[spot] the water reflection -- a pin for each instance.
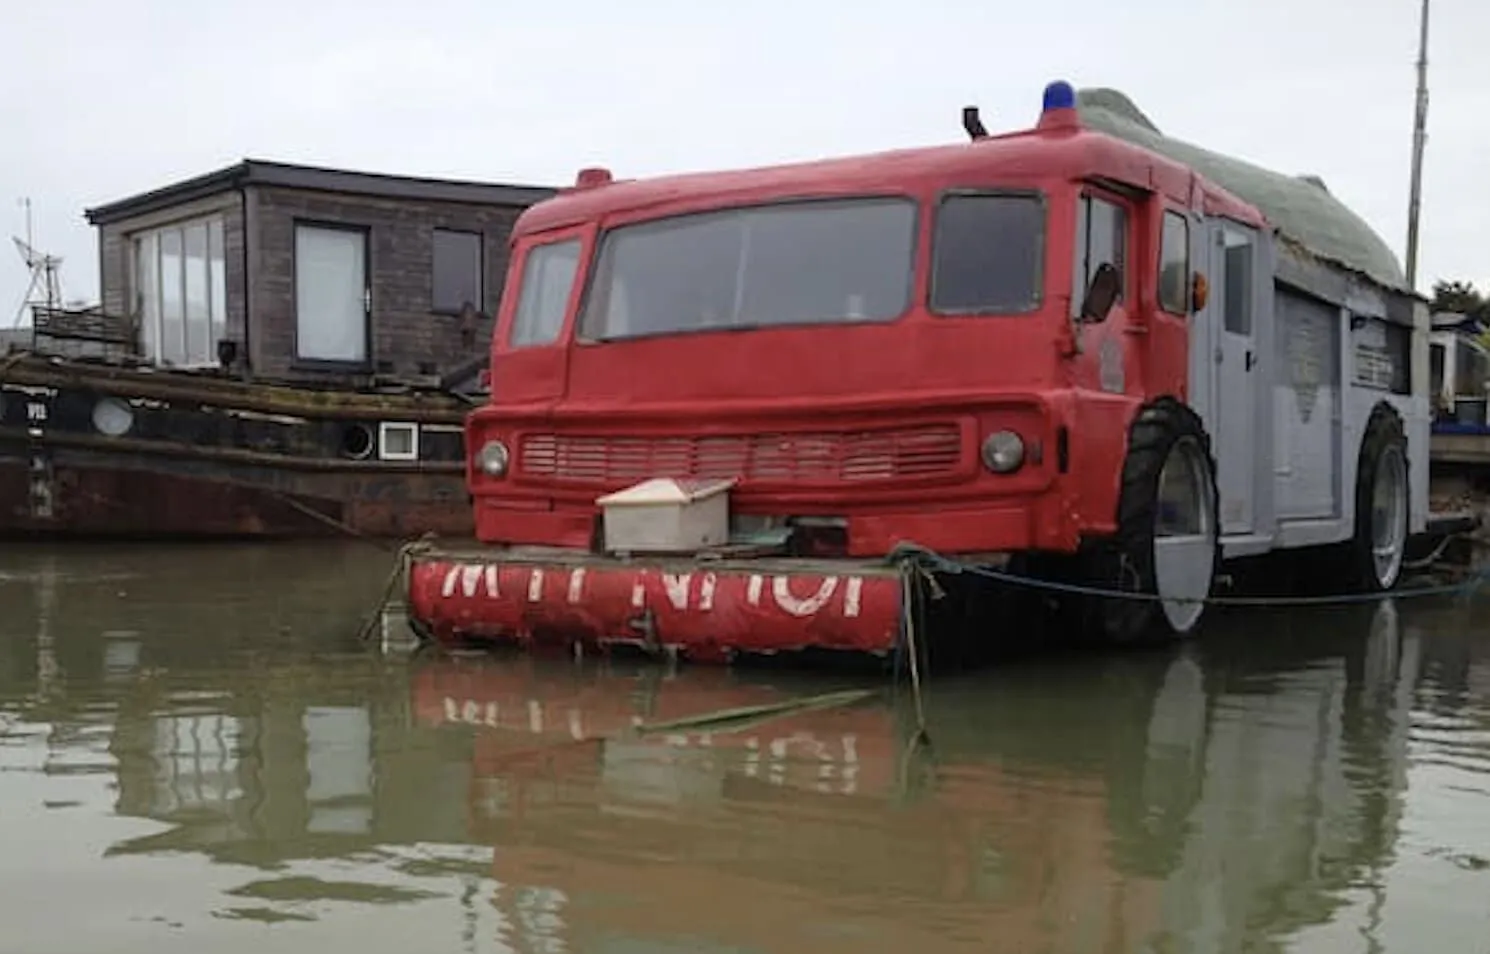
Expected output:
(1311, 781)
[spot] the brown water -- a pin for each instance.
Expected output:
(197, 754)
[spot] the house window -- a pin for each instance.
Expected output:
(398, 441)
(332, 297)
(543, 300)
(180, 292)
(456, 279)
(1174, 265)
(1101, 239)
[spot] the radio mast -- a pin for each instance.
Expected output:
(1419, 138)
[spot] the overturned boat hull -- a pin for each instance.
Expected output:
(701, 609)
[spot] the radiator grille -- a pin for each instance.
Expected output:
(822, 457)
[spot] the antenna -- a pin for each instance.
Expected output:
(1419, 139)
(45, 280)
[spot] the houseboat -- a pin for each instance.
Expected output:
(278, 350)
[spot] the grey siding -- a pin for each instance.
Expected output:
(408, 339)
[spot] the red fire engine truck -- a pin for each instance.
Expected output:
(719, 401)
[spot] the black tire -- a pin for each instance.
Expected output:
(1126, 561)
(1357, 565)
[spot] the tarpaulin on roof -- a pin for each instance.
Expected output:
(1300, 207)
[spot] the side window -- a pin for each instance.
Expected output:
(1101, 238)
(989, 253)
(547, 279)
(1238, 292)
(1174, 264)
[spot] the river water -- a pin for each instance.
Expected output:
(196, 753)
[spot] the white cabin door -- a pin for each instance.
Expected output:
(1233, 310)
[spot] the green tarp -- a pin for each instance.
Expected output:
(1299, 207)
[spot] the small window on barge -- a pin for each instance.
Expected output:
(988, 253)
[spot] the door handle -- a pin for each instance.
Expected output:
(1251, 360)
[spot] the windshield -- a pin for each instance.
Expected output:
(804, 262)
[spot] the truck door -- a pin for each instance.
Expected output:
(1232, 310)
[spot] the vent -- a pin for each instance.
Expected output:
(844, 457)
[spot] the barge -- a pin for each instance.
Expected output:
(777, 409)
(278, 351)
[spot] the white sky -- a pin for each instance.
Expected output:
(100, 100)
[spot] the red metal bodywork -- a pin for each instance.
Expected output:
(876, 424)
(703, 612)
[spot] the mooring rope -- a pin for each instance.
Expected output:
(397, 581)
(908, 622)
(915, 554)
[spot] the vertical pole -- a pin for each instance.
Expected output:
(1419, 138)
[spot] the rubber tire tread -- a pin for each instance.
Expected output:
(1154, 432)
(1383, 429)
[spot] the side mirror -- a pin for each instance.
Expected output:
(1101, 293)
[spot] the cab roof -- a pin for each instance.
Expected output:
(1058, 147)
(1095, 133)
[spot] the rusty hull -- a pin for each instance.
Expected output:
(208, 455)
(120, 498)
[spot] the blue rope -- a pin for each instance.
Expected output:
(931, 560)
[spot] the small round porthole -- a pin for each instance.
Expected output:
(112, 417)
(356, 441)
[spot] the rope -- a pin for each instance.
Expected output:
(912, 642)
(397, 580)
(331, 522)
(918, 555)
(1431, 558)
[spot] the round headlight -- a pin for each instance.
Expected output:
(493, 458)
(1003, 452)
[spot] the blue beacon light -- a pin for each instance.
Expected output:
(1059, 95)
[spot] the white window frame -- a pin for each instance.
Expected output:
(387, 427)
(363, 235)
(153, 323)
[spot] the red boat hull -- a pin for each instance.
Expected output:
(703, 611)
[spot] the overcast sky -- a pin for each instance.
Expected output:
(99, 99)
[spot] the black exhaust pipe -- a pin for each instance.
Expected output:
(972, 124)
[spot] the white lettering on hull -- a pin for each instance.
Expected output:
(678, 589)
(781, 590)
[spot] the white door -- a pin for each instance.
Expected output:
(1232, 289)
(331, 294)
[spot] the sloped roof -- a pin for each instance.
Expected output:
(1300, 207)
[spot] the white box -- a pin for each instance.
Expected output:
(667, 515)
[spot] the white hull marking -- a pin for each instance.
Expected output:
(810, 606)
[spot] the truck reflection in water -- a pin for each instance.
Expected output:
(1224, 797)
(1190, 801)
